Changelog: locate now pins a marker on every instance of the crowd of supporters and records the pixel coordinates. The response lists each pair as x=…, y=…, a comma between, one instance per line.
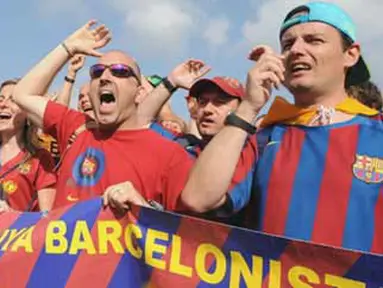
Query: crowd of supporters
x=312, y=170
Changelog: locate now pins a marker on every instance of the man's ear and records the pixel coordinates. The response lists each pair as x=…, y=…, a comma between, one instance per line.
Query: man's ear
x=140, y=95
x=351, y=55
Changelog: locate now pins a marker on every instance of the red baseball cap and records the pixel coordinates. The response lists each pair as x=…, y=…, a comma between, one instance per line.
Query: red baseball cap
x=229, y=85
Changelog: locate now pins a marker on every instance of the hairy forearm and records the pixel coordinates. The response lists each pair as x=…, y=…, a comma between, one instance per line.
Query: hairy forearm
x=211, y=175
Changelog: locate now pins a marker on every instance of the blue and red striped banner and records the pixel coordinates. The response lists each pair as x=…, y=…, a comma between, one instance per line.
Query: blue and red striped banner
x=84, y=245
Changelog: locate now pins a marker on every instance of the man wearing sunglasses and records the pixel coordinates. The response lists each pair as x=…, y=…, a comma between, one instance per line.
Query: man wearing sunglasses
x=121, y=159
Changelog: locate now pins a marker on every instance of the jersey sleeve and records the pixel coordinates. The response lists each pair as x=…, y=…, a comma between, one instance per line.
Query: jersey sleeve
x=175, y=178
x=239, y=192
x=161, y=130
x=61, y=122
x=45, y=177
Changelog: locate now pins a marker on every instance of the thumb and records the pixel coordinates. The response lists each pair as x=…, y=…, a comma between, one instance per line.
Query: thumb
x=258, y=51
x=94, y=53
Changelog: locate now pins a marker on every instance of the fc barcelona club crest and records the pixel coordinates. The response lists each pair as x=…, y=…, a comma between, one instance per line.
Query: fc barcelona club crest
x=25, y=168
x=89, y=167
x=9, y=186
x=368, y=169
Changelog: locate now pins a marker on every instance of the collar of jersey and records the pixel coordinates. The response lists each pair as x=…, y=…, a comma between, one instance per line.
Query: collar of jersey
x=283, y=112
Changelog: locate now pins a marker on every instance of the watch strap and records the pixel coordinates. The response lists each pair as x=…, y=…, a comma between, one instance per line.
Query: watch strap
x=70, y=80
x=168, y=85
x=233, y=120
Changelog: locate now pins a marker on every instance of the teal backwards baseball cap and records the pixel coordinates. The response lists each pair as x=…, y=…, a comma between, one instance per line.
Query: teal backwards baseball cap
x=336, y=17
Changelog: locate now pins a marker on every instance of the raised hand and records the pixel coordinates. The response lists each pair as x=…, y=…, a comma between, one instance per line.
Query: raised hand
x=76, y=63
x=185, y=74
x=267, y=73
x=87, y=40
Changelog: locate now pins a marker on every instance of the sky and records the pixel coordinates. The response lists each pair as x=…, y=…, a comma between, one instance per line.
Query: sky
x=160, y=34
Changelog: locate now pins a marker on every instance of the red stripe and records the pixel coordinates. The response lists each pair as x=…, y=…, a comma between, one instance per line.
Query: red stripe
x=7, y=219
x=193, y=233
x=245, y=162
x=282, y=180
x=24, y=268
x=322, y=260
x=377, y=243
x=106, y=263
x=336, y=186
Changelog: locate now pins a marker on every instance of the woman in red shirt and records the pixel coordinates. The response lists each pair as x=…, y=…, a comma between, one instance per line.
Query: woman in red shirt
x=26, y=173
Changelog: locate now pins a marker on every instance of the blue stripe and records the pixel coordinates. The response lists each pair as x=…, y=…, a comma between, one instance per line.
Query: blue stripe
x=249, y=244
x=240, y=193
x=268, y=145
x=132, y=272
x=359, y=226
x=55, y=270
x=192, y=150
x=307, y=184
x=370, y=269
x=25, y=220
x=162, y=131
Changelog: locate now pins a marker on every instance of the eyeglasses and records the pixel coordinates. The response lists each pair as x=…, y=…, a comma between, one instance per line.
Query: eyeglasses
x=117, y=70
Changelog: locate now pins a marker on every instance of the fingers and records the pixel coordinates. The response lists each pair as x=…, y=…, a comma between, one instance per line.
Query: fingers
x=270, y=68
x=90, y=23
x=258, y=51
x=102, y=39
x=105, y=198
x=198, y=67
x=115, y=197
x=204, y=71
x=105, y=38
x=265, y=55
x=99, y=29
x=77, y=59
x=272, y=64
x=271, y=80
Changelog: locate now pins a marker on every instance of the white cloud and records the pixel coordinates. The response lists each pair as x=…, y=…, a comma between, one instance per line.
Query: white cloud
x=216, y=32
x=263, y=29
x=166, y=25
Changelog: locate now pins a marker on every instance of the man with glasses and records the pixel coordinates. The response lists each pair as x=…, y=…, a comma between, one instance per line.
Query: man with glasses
x=121, y=158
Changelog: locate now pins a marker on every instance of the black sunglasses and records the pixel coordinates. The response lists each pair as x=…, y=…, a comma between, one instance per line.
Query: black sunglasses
x=117, y=70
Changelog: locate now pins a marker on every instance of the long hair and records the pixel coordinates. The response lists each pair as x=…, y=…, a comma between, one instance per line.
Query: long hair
x=27, y=135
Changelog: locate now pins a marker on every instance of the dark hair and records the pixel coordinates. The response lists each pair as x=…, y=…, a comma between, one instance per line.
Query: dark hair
x=13, y=81
x=295, y=11
x=346, y=41
x=27, y=127
x=368, y=94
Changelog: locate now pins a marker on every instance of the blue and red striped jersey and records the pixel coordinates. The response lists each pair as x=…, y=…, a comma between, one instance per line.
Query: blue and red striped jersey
x=240, y=188
x=322, y=184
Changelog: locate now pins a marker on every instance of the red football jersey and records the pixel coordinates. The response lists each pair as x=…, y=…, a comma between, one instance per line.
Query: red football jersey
x=156, y=167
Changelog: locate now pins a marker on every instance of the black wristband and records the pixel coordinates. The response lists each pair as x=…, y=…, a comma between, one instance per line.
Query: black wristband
x=67, y=79
x=168, y=85
x=234, y=120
